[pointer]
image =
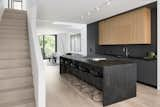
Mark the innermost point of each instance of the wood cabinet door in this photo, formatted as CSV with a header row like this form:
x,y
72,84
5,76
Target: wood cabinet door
x,y
129,28
104,32
122,28
142,34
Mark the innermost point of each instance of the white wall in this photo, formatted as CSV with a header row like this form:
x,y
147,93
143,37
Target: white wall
x,y
63,42
158,47
84,40
5,3
36,56
1,8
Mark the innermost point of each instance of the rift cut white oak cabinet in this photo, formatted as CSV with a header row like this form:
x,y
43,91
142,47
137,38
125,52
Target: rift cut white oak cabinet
x,y
129,28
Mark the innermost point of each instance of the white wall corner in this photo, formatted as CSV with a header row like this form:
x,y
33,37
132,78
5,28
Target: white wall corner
x,y
158,45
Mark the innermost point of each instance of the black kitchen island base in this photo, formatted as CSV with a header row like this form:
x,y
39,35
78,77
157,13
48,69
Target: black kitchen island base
x,y
119,83
116,78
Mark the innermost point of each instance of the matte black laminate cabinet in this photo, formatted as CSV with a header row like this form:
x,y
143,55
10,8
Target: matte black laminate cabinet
x,y
147,72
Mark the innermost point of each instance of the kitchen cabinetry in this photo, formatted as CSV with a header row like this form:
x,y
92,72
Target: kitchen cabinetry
x,y
129,28
105,75
147,72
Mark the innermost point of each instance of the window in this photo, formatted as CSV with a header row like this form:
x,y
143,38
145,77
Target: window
x,y
48,44
17,4
75,42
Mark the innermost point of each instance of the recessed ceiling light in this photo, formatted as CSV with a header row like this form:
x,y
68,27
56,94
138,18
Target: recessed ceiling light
x,y
108,2
97,9
88,13
82,17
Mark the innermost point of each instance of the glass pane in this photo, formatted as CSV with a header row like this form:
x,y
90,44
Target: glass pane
x,y
50,46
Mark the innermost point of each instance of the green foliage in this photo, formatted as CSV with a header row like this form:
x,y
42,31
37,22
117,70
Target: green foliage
x,y
49,45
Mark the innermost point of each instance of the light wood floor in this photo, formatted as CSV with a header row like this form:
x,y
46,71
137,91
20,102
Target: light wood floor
x,y
61,94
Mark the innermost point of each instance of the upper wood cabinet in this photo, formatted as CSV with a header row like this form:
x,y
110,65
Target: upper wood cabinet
x,y
130,28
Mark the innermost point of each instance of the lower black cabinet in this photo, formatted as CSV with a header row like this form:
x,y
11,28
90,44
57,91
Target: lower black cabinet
x,y
147,72
117,81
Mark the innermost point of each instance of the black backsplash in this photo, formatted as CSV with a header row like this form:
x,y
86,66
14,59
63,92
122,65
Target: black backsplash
x,y
134,50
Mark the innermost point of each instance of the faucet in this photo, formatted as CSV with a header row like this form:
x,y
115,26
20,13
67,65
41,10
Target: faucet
x,y
125,49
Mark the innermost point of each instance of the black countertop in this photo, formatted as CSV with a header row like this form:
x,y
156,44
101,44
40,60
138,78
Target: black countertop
x,y
131,57
110,61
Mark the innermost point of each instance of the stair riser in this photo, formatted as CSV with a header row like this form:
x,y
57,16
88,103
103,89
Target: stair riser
x,y
15,47
12,28
9,55
14,83
16,72
14,16
25,105
11,11
4,64
13,23
16,95
5,42
17,37
14,31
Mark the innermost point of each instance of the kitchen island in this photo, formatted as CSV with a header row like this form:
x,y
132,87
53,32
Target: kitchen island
x,y
116,78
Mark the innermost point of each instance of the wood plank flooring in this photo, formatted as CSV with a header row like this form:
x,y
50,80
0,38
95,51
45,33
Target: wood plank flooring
x,y
62,94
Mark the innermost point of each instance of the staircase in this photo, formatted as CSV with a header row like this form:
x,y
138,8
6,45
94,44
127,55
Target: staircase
x,y
16,83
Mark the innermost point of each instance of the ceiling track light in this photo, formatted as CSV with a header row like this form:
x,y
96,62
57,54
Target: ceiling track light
x,y
89,13
98,8
82,17
108,2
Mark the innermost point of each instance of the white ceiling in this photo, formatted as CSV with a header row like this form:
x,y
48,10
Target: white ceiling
x,y
50,11
46,27
72,10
